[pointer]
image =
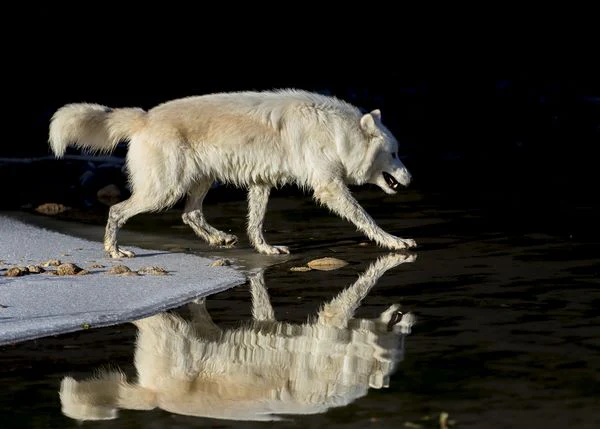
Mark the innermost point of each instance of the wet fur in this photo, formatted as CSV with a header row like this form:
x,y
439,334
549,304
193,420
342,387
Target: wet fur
x,y
256,140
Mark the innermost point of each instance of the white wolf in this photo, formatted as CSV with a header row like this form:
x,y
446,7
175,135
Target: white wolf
x,y
257,371
256,140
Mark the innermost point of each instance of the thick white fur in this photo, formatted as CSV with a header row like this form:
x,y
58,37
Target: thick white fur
x,y
251,139
255,372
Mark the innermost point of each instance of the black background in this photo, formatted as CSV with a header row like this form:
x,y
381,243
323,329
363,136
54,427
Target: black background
x,y
512,121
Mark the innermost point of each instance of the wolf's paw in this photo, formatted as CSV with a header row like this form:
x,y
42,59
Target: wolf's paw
x,y
118,253
410,243
403,243
223,240
395,259
273,250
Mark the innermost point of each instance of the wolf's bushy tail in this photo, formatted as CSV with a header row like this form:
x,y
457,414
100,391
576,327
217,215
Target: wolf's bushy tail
x,y
93,127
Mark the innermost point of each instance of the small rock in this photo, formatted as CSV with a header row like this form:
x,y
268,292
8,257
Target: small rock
x,y
86,326
16,272
154,270
83,272
51,209
326,264
67,269
301,269
119,269
35,269
130,273
221,263
96,266
51,263
52,273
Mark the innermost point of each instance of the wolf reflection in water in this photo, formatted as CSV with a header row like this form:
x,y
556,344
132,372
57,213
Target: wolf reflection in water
x,y
257,371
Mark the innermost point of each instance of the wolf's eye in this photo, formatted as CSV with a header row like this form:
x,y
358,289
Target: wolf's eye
x,y
394,155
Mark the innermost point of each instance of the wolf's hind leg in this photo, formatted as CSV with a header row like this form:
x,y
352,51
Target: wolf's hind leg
x,y
194,217
337,197
113,224
258,196
341,309
121,212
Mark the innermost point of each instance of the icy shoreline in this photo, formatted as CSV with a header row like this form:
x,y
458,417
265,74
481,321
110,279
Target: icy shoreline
x,y
38,305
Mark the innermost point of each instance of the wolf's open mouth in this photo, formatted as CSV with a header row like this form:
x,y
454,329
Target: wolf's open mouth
x,y
389,179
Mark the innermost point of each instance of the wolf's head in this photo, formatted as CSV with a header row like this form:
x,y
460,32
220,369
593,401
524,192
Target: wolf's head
x,y
386,169
372,156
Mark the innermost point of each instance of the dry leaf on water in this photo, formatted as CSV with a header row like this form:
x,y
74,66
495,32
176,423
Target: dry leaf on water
x,y
326,264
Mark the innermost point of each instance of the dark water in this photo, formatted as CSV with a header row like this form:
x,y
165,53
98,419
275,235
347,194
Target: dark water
x,y
507,332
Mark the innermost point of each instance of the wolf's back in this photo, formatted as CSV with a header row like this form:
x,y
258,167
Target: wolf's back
x,y
93,127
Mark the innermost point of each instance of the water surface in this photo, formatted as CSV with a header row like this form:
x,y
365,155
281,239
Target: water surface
x,y
507,315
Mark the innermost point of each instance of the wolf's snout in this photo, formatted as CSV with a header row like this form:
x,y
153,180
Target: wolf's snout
x,y
404,178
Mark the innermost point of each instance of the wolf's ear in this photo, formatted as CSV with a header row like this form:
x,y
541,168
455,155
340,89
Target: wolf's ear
x,y
367,123
376,114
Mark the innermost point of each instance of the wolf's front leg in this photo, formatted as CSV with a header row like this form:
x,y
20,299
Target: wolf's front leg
x,y
258,196
341,309
338,198
262,310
